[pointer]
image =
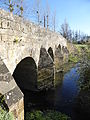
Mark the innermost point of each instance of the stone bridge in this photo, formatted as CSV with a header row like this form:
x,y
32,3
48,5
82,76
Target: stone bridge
x,y
29,55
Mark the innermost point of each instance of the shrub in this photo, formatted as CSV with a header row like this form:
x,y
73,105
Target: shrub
x,y
4,115
46,115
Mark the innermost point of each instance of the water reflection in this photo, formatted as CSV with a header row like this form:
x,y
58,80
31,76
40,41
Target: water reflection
x,y
67,92
62,97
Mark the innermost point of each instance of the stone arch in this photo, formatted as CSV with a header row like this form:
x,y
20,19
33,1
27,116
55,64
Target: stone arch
x,y
45,69
58,58
65,54
59,47
25,74
65,50
50,51
44,59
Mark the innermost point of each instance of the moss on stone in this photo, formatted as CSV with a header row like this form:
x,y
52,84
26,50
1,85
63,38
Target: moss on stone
x,y
44,73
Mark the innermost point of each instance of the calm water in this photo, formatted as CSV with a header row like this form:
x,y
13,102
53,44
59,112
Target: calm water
x,y
61,98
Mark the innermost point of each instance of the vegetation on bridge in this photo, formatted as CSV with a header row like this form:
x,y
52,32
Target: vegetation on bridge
x,y
4,114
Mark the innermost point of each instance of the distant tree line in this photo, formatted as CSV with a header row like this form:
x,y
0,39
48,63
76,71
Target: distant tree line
x,y
71,35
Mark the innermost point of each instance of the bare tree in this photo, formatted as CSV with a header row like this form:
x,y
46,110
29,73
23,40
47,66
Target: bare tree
x,y
70,35
35,11
47,13
64,29
21,7
14,6
54,21
38,9
44,20
8,4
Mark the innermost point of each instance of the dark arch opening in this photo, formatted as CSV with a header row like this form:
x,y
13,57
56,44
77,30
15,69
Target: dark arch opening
x,y
59,46
50,51
25,74
65,50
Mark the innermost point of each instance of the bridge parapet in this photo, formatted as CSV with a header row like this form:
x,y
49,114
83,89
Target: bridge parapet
x,y
27,50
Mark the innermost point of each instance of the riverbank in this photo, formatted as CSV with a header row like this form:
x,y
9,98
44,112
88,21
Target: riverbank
x,y
83,98
61,98
46,115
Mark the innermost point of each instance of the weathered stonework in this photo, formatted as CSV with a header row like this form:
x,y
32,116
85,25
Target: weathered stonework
x,y
31,54
18,110
20,39
10,90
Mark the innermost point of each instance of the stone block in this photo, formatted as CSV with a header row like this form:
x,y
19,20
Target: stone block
x,y
4,23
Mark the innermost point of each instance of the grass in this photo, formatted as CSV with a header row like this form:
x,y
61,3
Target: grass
x,y
80,53
73,59
82,47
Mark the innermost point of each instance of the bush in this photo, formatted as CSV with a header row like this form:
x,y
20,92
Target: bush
x,y
46,115
4,115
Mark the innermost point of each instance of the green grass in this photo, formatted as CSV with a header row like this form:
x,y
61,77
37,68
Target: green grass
x,y
73,59
80,53
80,47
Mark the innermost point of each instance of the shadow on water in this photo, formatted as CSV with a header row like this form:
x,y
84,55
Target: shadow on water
x,y
61,98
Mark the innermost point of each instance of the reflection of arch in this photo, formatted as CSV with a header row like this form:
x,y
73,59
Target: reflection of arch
x,y
50,51
25,74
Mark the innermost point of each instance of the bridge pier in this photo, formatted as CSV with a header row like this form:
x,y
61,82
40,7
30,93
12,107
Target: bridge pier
x,y
45,70
13,97
58,61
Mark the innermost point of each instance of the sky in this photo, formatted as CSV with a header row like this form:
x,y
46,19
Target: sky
x,y
76,13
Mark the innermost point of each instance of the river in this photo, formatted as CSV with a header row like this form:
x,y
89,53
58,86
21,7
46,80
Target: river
x,y
62,98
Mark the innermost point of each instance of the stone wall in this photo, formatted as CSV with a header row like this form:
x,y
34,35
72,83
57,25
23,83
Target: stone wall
x,y
20,39
12,94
